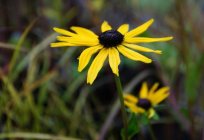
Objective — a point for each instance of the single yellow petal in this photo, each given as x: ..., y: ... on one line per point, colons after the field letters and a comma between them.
x: 140, y: 48
x: 84, y: 32
x: 79, y: 40
x: 147, y: 39
x: 152, y: 90
x: 96, y: 65
x: 84, y: 40
x: 61, y: 44
x: 151, y: 113
x: 114, y: 60
x: 70, y: 40
x: 133, y: 107
x: 133, y: 55
x: 105, y: 26
x: 85, y: 56
x: 142, y: 28
x: 159, y: 95
x: 143, y: 91
x: 123, y: 29
x: 160, y: 98
x: 130, y: 98
x: 136, y: 109
x: 63, y: 38
x: 62, y: 31
x: 128, y: 104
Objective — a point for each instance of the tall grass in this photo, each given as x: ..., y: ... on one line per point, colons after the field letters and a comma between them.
x: 42, y: 96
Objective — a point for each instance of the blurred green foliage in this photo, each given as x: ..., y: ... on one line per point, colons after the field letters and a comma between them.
x: 41, y: 91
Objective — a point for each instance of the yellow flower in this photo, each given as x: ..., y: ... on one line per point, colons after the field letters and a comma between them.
x: 109, y: 43
x: 147, y: 100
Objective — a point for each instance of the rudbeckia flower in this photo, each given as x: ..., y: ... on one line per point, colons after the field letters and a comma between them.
x: 147, y: 99
x: 108, y: 44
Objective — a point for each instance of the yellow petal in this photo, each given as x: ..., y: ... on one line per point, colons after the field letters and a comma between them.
x: 144, y: 91
x: 123, y: 29
x: 130, y: 98
x: 84, y: 32
x: 152, y: 90
x: 140, y: 48
x: 85, y: 56
x: 63, y: 38
x: 142, y: 28
x: 84, y: 41
x: 105, y: 26
x: 114, y: 60
x: 79, y: 40
x: 133, y: 55
x: 61, y: 44
x: 151, y: 113
x: 147, y: 39
x: 127, y: 103
x: 136, y: 109
x: 159, y: 95
x: 62, y: 31
x: 96, y: 65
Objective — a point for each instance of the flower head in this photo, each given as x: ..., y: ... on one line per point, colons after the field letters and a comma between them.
x: 147, y: 99
x: 108, y: 44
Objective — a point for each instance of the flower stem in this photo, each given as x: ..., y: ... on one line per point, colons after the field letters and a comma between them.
x: 124, y: 116
x: 153, y: 137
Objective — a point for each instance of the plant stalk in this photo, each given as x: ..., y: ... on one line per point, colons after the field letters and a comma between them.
x: 153, y: 137
x: 124, y: 116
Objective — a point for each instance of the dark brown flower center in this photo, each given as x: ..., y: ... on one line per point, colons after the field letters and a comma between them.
x: 110, y: 38
x: 144, y: 103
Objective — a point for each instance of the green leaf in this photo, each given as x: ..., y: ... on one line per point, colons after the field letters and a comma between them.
x: 144, y: 120
x: 193, y: 77
x: 133, y: 127
x: 156, y: 117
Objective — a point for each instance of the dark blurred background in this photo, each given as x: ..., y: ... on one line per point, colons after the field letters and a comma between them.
x: 42, y: 93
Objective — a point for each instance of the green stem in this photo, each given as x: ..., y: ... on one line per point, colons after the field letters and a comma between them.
x: 124, y: 116
x: 153, y: 137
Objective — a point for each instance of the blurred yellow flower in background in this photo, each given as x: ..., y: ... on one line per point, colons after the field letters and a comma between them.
x: 109, y: 43
x: 147, y: 99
